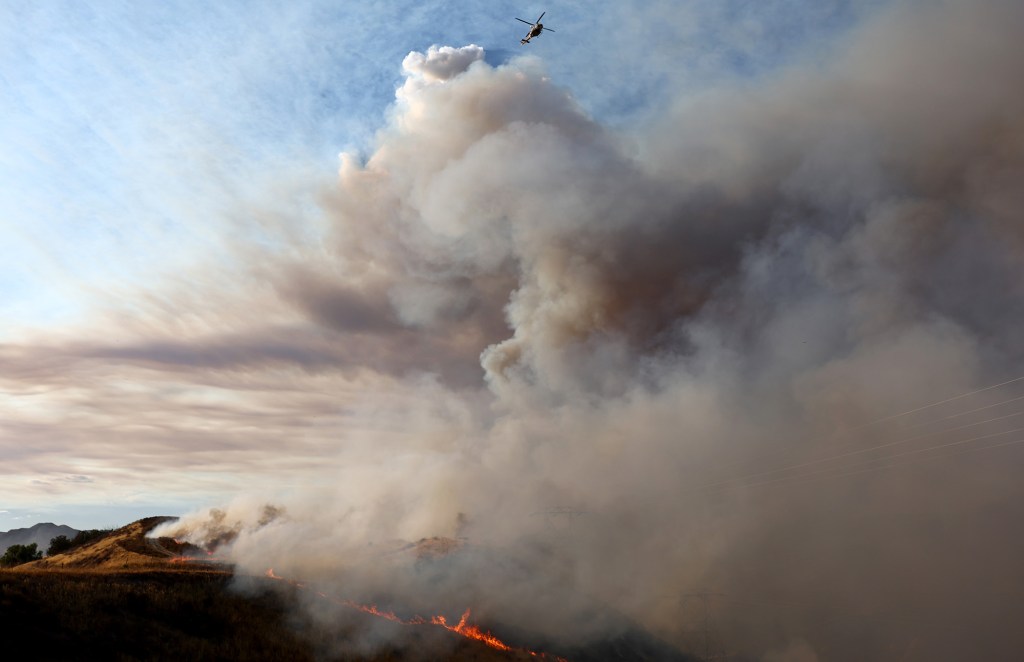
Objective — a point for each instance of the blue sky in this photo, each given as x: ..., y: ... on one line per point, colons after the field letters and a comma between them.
x: 142, y: 141
x: 130, y: 127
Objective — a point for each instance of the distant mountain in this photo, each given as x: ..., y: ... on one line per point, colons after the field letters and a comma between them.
x: 40, y: 534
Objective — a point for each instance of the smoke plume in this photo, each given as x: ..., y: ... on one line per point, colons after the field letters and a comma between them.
x: 730, y: 363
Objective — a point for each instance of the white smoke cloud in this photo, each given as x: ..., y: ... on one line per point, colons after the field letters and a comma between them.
x: 662, y: 323
x: 440, y: 63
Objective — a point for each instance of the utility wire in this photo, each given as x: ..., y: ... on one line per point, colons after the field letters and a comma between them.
x: 945, y: 418
x: 865, y: 467
x: 941, y: 402
x: 831, y: 458
x: 960, y: 451
x: 970, y: 411
x: 832, y: 470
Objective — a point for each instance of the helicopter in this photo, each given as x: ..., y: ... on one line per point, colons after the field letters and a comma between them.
x: 535, y: 29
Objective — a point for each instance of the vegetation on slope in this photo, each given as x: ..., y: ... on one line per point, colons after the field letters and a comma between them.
x: 62, y: 544
x: 190, y: 614
x: 19, y: 554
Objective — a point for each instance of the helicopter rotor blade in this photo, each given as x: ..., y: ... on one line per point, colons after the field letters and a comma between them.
x: 527, y: 22
x: 540, y: 17
x: 548, y: 30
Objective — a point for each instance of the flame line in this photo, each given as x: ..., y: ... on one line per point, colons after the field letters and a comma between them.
x: 463, y: 627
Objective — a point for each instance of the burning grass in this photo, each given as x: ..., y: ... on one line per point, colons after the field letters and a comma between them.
x: 190, y: 612
x: 127, y: 596
x: 462, y: 628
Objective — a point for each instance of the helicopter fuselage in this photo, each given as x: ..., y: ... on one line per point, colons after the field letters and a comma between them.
x: 535, y: 29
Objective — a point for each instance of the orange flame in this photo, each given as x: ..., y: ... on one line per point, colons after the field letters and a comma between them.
x: 462, y: 628
x: 472, y: 631
x: 372, y: 609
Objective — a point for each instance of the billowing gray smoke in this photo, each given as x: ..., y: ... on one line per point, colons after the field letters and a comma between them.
x: 704, y: 346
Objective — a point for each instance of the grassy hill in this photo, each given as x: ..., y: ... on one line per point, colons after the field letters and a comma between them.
x: 121, y: 549
x: 123, y: 598
x: 178, y: 614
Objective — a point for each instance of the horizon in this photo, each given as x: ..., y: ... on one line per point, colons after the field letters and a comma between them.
x: 82, y: 522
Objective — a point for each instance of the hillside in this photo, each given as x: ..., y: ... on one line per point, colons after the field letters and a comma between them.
x: 125, y: 596
x: 122, y: 549
x: 182, y: 615
x: 40, y: 534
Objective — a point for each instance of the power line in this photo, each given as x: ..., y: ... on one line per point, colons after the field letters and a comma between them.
x: 961, y: 451
x: 850, y: 453
x: 970, y: 411
x: 870, y: 462
x: 941, y: 402
x: 867, y: 469
x: 916, y: 425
